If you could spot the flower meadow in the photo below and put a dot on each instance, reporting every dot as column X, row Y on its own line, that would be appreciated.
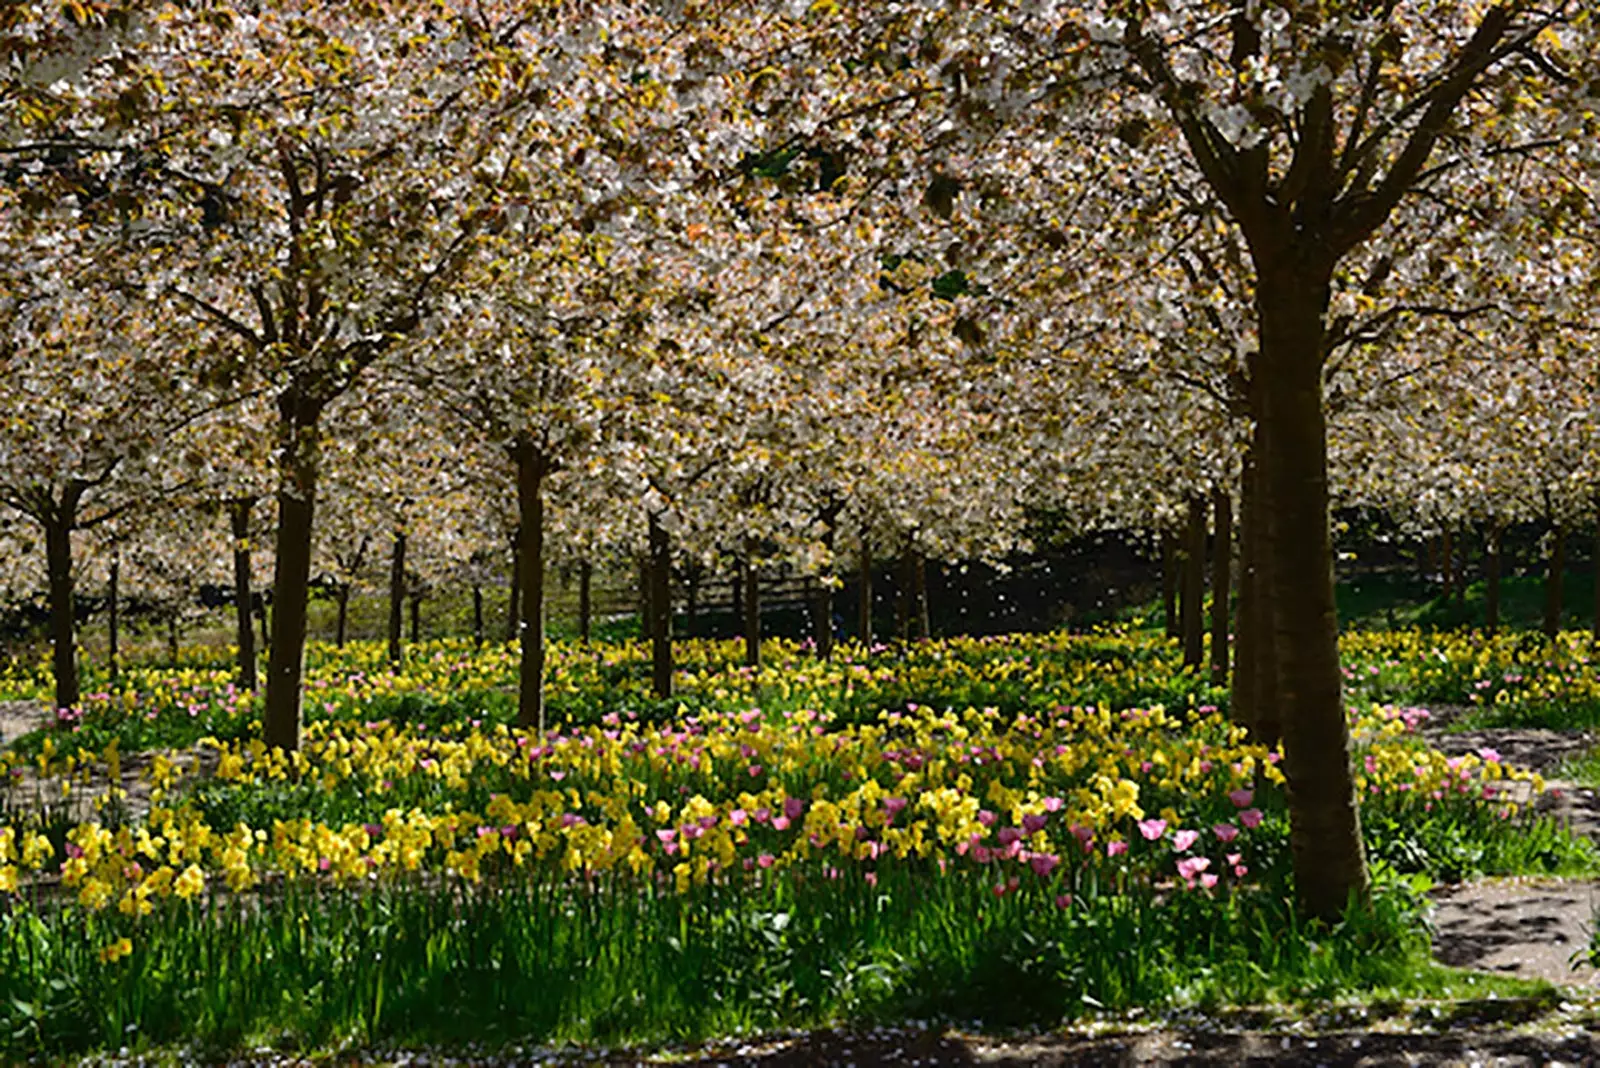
column 1010, row 830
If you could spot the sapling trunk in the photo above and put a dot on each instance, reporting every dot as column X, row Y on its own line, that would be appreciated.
column 532, row 468
column 864, row 606
column 477, row 615
column 585, row 602
column 341, row 619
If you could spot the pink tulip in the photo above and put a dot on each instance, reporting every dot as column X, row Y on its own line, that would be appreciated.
column 1251, row 818
column 1152, row 829
column 1226, row 832
column 1182, row 840
column 1116, row 849
column 1242, row 797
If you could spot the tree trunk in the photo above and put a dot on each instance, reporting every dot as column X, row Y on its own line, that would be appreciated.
column 532, row 467
column 1594, row 569
column 1491, row 579
column 1221, row 584
column 736, row 596
column 416, row 618
column 864, row 607
column 113, row 608
column 291, row 573
column 1169, row 585
column 477, row 615
column 243, row 596
column 921, row 624
column 514, row 596
column 341, row 620
column 1552, row 580
column 1325, row 836
column 1191, row 610
column 172, row 637
column 585, row 603
column 1447, row 554
column 691, row 603
column 1242, row 705
column 63, row 619
column 752, row 606
column 397, row 598
column 660, row 609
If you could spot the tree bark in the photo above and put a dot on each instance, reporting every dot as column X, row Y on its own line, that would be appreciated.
column 1221, row 583
column 660, row 609
column 63, row 608
column 1491, row 579
column 243, row 596
column 864, row 607
column 1191, row 608
column 532, row 468
column 172, row 636
column 113, row 608
column 1552, row 580
column 1169, row 585
column 397, row 598
column 1325, row 836
column 736, row 596
column 585, row 602
column 416, row 618
column 752, row 605
column 291, row 574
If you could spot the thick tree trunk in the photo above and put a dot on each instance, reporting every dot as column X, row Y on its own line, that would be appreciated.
column 532, row 468
column 1552, row 580
column 291, row 575
column 1247, row 628
column 1221, row 583
column 752, row 605
column 864, row 606
column 1169, row 585
column 514, row 596
column 113, row 612
column 477, row 615
column 63, row 620
column 1191, row 610
column 660, row 609
column 1491, row 579
column 243, row 596
column 397, row 598
column 585, row 602
column 1325, row 837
